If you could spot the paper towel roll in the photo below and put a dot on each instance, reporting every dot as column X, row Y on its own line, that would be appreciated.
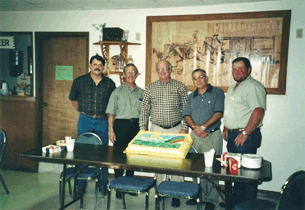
column 251, row 161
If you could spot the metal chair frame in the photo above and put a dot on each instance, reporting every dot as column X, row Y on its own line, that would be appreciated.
column 280, row 204
column 2, row 148
column 130, row 191
column 77, row 171
column 160, row 197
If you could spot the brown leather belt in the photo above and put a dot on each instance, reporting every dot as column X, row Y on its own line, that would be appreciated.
column 94, row 116
column 236, row 130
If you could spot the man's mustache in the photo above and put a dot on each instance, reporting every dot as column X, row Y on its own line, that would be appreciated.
column 97, row 69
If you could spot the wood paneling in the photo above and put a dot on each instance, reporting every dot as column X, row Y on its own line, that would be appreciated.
column 17, row 119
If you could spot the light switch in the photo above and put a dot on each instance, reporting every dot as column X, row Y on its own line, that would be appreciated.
column 138, row 36
column 299, row 33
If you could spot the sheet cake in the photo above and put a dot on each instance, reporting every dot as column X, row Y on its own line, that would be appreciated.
column 160, row 144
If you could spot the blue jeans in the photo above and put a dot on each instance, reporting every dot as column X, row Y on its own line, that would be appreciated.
column 98, row 126
column 242, row 191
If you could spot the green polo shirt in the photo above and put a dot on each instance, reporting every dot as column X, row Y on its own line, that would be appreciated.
column 240, row 103
column 125, row 103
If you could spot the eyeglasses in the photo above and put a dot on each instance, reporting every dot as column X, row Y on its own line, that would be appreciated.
column 131, row 72
column 200, row 77
column 164, row 69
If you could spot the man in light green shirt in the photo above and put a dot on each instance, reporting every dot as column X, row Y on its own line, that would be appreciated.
column 124, row 108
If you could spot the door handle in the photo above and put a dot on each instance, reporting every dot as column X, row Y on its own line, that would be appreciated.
column 44, row 104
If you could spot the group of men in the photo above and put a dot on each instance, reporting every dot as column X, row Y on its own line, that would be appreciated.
column 125, row 110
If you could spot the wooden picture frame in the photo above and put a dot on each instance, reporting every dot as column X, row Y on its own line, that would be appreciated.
column 30, row 60
column 212, row 41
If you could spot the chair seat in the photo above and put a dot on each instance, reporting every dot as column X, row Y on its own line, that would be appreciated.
column 131, row 183
column 256, row 204
column 87, row 172
column 183, row 189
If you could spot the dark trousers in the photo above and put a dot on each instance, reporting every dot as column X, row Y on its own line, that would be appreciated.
column 241, row 191
column 125, row 130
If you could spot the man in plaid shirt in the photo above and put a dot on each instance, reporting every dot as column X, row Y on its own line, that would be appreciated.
column 164, row 102
column 89, row 95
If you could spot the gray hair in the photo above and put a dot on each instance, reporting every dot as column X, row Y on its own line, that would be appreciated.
column 169, row 65
column 130, row 64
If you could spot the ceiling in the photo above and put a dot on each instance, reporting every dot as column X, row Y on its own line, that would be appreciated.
column 55, row 5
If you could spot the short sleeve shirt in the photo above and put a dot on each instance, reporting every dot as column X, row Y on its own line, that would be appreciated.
column 201, row 107
column 125, row 103
column 241, row 101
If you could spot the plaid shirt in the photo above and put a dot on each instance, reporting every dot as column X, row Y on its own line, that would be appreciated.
column 92, row 99
column 164, row 104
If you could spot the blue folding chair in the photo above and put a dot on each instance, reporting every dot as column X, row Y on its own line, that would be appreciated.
column 292, row 196
column 83, row 172
column 179, row 190
column 126, row 184
column 2, row 148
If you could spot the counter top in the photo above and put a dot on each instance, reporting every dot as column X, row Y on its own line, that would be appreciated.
column 17, row 98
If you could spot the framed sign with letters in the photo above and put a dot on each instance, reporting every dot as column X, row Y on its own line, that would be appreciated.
column 212, row 41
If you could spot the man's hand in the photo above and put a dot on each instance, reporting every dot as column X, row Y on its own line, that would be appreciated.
column 240, row 140
column 200, row 133
column 225, row 133
column 112, row 136
column 183, row 131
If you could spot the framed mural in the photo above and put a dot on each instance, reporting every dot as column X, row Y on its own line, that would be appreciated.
column 213, row 41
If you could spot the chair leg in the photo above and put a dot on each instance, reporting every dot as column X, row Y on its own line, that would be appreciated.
column 59, row 197
column 123, row 199
column 146, row 200
column 157, row 207
column 70, row 189
column 109, row 199
column 163, row 203
column 199, row 204
column 96, row 193
column 4, row 185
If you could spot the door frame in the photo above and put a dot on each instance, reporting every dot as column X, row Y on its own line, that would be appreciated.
column 39, row 37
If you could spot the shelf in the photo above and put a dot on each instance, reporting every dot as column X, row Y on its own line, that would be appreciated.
column 123, row 48
column 115, row 43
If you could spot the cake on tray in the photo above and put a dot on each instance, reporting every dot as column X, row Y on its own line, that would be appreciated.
column 158, row 161
column 160, row 144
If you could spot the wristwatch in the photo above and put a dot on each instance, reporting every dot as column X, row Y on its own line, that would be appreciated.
column 202, row 128
column 244, row 132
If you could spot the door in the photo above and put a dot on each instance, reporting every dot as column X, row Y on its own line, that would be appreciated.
column 60, row 52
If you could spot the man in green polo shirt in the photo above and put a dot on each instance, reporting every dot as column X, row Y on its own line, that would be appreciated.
column 123, row 111
column 245, row 106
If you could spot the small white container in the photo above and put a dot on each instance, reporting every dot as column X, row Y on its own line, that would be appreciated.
column 70, row 144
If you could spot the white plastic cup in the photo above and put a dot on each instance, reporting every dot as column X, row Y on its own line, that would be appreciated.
column 70, row 155
column 70, row 144
column 209, row 158
column 68, row 137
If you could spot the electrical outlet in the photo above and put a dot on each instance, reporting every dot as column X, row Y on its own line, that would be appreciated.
column 138, row 36
column 299, row 33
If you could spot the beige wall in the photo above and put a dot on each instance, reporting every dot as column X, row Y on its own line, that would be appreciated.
column 283, row 140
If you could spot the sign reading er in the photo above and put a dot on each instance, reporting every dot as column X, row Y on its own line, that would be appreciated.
column 7, row 42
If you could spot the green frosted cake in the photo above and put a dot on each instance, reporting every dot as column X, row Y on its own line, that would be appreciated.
column 160, row 144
